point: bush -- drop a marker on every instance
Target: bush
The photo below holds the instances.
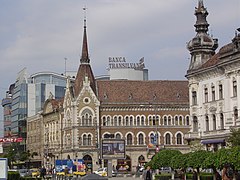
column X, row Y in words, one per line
column 13, row 175
column 163, row 176
column 203, row 176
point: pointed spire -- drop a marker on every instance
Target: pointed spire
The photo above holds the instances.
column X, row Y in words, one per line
column 200, row 4
column 201, row 14
column 85, row 58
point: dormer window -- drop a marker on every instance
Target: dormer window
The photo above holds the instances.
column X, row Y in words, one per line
column 105, row 96
column 130, row 96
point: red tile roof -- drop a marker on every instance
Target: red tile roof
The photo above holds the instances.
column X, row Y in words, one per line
column 84, row 70
column 126, row 91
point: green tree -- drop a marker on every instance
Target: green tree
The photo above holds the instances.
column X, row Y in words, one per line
column 27, row 156
column 11, row 154
column 163, row 158
column 228, row 156
column 234, row 138
column 195, row 159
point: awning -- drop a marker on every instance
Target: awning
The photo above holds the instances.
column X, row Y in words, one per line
column 213, row 141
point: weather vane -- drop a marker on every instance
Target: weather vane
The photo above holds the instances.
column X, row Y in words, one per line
column 85, row 14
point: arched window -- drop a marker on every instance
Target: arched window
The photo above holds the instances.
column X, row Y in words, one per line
column 127, row 121
column 207, row 123
column 89, row 139
column 154, row 121
column 222, row 121
column 169, row 121
column 131, row 121
column 179, row 138
column 214, row 122
column 176, row 121
column 118, row 136
column 168, row 138
column 138, row 121
column 152, row 138
column 235, row 114
column 115, row 121
column 142, row 121
column 85, row 140
column 165, row 121
column 157, row 120
column 140, row 139
column 129, row 139
column 120, row 121
column 104, row 121
column 87, row 117
column 108, row 121
column 195, row 124
column 187, row 121
column 180, row 120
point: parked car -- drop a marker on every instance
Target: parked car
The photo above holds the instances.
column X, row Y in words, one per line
column 166, row 170
column 23, row 172
column 35, row 172
column 103, row 172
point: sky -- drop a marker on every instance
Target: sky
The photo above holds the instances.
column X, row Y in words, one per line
column 39, row 35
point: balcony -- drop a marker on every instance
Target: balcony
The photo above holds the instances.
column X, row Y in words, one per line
column 215, row 133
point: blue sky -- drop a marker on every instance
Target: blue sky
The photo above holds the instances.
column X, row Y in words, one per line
column 38, row 35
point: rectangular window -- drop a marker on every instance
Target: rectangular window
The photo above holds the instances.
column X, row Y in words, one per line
column 206, row 94
column 234, row 88
column 220, row 91
column 194, row 98
column 213, row 93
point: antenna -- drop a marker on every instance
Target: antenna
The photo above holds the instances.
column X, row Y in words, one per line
column 65, row 59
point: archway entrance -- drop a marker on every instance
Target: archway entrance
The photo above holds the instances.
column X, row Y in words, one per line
column 124, row 164
column 141, row 160
column 88, row 163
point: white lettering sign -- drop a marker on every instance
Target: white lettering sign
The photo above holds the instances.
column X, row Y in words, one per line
column 120, row 63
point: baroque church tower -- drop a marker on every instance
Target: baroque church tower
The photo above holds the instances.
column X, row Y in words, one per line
column 202, row 47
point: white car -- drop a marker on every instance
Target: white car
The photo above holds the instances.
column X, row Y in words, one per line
column 103, row 172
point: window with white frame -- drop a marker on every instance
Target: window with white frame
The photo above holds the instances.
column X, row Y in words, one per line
column 167, row 138
column 140, row 139
column 194, row 98
column 234, row 88
column 179, row 138
column 220, row 91
column 214, row 122
column 129, row 139
column 207, row 123
column 206, row 94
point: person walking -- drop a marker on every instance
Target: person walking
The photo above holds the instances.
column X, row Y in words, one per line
column 147, row 174
column 43, row 172
column 194, row 177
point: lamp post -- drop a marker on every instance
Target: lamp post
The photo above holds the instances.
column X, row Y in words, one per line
column 156, row 124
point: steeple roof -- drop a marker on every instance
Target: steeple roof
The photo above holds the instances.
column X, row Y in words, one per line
column 201, row 14
column 85, row 57
column 84, row 69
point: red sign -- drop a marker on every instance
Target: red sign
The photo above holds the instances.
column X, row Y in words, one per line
column 12, row 139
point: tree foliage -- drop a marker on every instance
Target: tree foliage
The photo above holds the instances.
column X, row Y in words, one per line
column 196, row 159
column 163, row 158
column 234, row 138
column 179, row 161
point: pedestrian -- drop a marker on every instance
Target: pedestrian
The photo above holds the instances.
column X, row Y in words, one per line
column 227, row 172
column 194, row 177
column 43, row 172
column 147, row 174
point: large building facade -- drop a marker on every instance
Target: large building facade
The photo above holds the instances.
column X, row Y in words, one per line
column 148, row 115
column 213, row 85
column 27, row 97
